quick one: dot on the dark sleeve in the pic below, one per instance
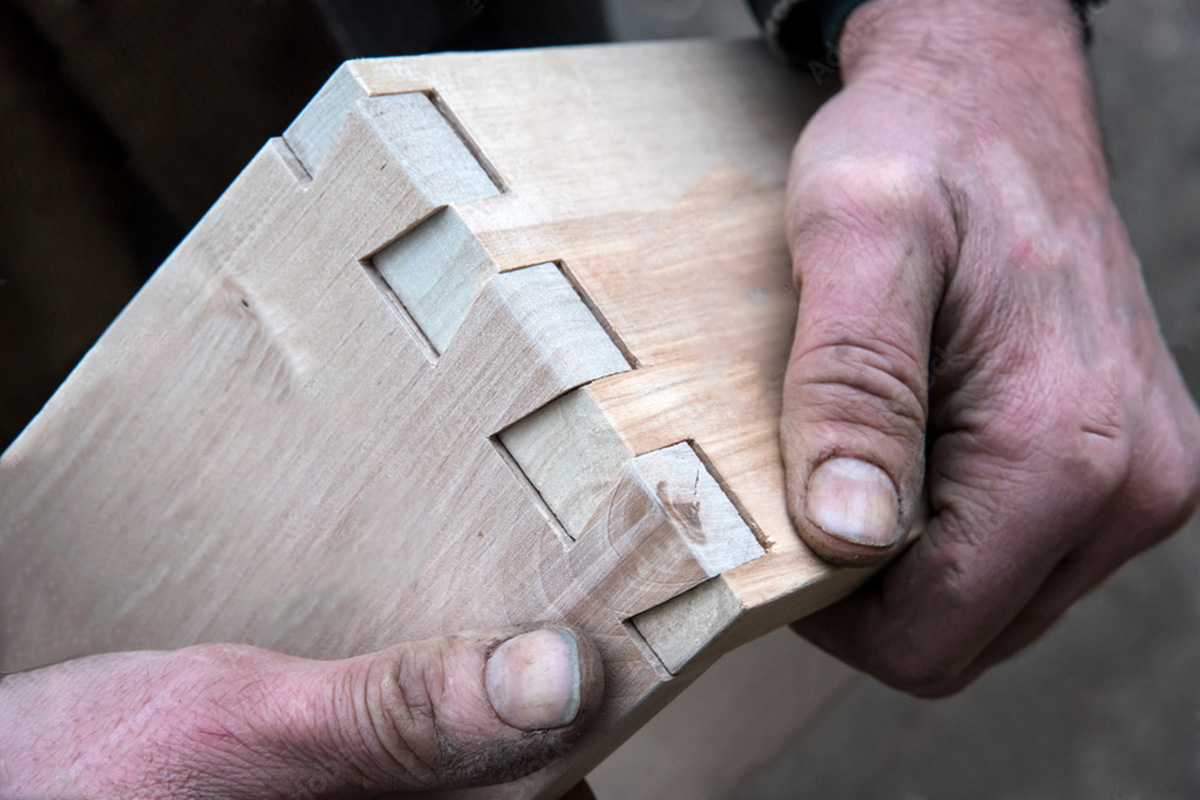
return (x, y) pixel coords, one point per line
(803, 30)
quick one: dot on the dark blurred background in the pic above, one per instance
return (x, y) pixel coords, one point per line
(122, 120)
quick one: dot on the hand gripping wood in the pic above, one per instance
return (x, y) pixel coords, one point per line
(481, 340)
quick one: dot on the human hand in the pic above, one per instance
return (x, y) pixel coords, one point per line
(231, 721)
(973, 333)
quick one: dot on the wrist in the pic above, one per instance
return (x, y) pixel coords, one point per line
(959, 41)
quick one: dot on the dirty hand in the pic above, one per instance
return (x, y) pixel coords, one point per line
(231, 721)
(973, 333)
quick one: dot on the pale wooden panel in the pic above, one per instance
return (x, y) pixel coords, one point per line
(268, 446)
(694, 229)
(733, 721)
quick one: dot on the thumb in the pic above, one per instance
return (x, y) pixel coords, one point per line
(238, 722)
(869, 241)
(460, 711)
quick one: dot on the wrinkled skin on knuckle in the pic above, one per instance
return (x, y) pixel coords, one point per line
(855, 199)
(1029, 457)
(395, 731)
(1094, 461)
(253, 724)
(1074, 433)
(859, 381)
(424, 721)
(1166, 452)
(387, 722)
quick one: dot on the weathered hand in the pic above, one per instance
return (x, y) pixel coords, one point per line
(973, 333)
(230, 721)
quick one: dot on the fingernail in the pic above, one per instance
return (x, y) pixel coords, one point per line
(533, 680)
(855, 501)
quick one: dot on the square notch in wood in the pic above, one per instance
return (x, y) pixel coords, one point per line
(569, 455)
(431, 275)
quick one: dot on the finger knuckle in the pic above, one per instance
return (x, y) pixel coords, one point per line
(1058, 428)
(1182, 488)
(868, 192)
(931, 660)
(1164, 487)
(385, 725)
(922, 674)
(1096, 441)
(402, 721)
(861, 382)
(244, 689)
(1095, 463)
(861, 181)
(417, 735)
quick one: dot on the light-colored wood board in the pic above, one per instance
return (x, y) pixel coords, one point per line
(711, 371)
(729, 724)
(271, 446)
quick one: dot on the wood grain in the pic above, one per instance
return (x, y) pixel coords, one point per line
(481, 340)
